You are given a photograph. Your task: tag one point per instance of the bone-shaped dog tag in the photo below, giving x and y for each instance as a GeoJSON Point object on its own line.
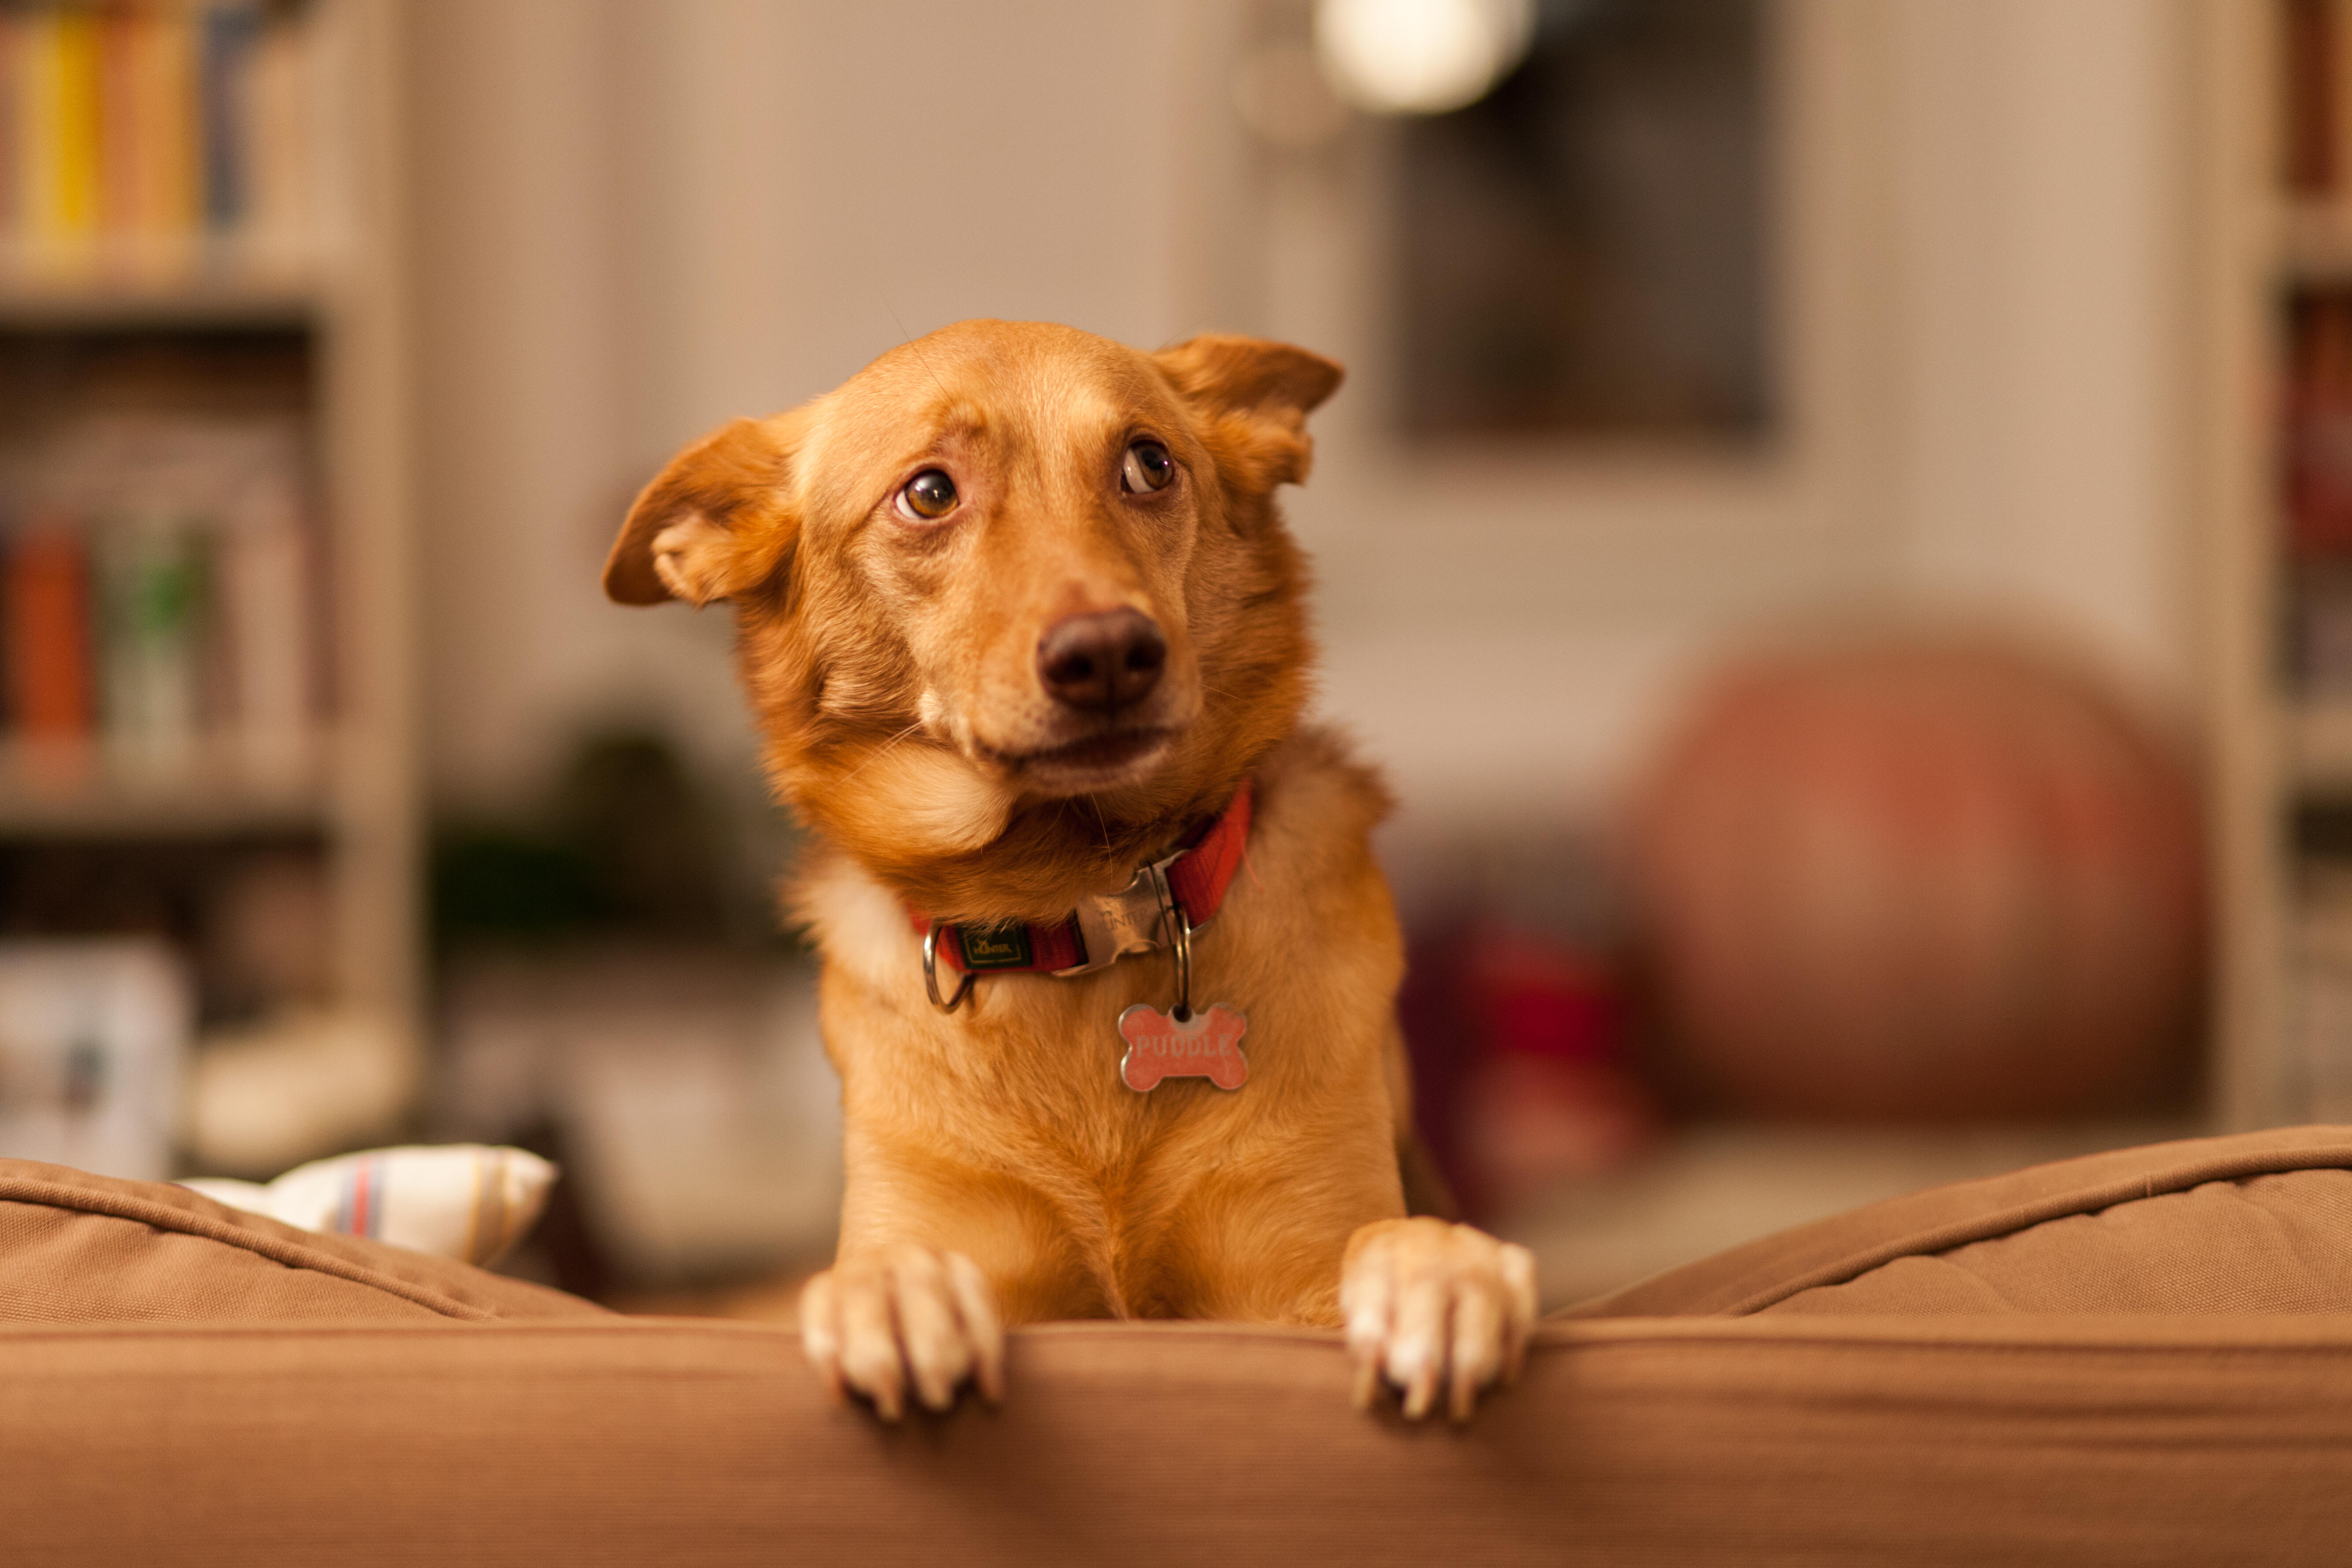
{"type": "Point", "coordinates": [1207, 1044]}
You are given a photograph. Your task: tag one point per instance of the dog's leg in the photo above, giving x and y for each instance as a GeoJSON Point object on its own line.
{"type": "Point", "coordinates": [1432, 1308]}
{"type": "Point", "coordinates": [1426, 1190]}
{"type": "Point", "coordinates": [907, 1315]}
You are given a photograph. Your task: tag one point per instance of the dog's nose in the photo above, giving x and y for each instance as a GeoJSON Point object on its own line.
{"type": "Point", "coordinates": [1104, 661]}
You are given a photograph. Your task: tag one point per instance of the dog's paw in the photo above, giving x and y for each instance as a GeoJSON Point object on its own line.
{"type": "Point", "coordinates": [904, 1318]}
{"type": "Point", "coordinates": [1436, 1308]}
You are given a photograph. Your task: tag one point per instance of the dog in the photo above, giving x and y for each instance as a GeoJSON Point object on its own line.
{"type": "Point", "coordinates": [1110, 969]}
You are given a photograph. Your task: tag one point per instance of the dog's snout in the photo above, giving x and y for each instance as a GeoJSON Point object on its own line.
{"type": "Point", "coordinates": [1103, 661]}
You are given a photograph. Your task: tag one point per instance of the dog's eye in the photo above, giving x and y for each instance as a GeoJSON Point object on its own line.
{"type": "Point", "coordinates": [929, 494]}
{"type": "Point", "coordinates": [1148, 467]}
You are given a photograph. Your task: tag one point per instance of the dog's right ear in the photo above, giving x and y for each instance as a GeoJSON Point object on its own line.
{"type": "Point", "coordinates": [714, 524]}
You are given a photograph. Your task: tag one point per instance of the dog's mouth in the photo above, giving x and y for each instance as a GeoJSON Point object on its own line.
{"type": "Point", "coordinates": [1092, 762]}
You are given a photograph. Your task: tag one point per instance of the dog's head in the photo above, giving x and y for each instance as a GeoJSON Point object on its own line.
{"type": "Point", "coordinates": [1011, 599]}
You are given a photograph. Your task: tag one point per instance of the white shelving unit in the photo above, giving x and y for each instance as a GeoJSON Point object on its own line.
{"type": "Point", "coordinates": [343, 293]}
{"type": "Point", "coordinates": [2272, 748]}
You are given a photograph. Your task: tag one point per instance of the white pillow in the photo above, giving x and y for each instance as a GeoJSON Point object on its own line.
{"type": "Point", "coordinates": [460, 1200]}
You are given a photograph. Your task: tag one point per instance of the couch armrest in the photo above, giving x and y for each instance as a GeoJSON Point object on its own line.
{"type": "Point", "coordinates": [2180, 1258]}
{"type": "Point", "coordinates": [1765, 1440]}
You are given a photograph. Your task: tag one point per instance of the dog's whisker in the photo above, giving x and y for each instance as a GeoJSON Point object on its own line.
{"type": "Point", "coordinates": [907, 340]}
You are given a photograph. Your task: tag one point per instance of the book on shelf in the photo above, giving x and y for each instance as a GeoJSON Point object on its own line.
{"type": "Point", "coordinates": [2315, 99]}
{"type": "Point", "coordinates": [161, 615]}
{"type": "Point", "coordinates": [2318, 437]}
{"type": "Point", "coordinates": [45, 642]}
{"type": "Point", "coordinates": [2315, 482]}
{"type": "Point", "coordinates": [153, 597]}
{"type": "Point", "coordinates": [145, 140]}
{"type": "Point", "coordinates": [2312, 137]}
{"type": "Point", "coordinates": [2319, 628]}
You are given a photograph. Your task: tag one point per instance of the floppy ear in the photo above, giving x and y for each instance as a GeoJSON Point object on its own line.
{"type": "Point", "coordinates": [713, 524]}
{"type": "Point", "coordinates": [1255, 396]}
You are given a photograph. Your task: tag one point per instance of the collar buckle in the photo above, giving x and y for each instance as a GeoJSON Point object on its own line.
{"type": "Point", "coordinates": [1133, 919]}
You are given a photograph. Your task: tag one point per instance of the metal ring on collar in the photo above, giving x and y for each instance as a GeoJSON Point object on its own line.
{"type": "Point", "coordinates": [1180, 937]}
{"type": "Point", "coordinates": [931, 974]}
{"type": "Point", "coordinates": [1184, 965]}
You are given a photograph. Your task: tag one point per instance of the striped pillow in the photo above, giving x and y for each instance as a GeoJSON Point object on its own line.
{"type": "Point", "coordinates": [464, 1201]}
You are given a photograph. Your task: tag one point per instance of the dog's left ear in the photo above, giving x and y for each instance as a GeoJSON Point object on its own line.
{"type": "Point", "coordinates": [1255, 396]}
{"type": "Point", "coordinates": [715, 524]}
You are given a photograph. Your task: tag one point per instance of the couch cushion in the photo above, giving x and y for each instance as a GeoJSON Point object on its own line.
{"type": "Point", "coordinates": [78, 1249]}
{"type": "Point", "coordinates": [2259, 1222]}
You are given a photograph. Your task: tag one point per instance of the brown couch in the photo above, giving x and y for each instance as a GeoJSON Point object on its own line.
{"type": "Point", "coordinates": [2138, 1357]}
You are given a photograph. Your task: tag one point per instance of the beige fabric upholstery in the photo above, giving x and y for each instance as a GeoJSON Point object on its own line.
{"type": "Point", "coordinates": [2017, 1441]}
{"type": "Point", "coordinates": [2190, 1227]}
{"type": "Point", "coordinates": [2120, 1374]}
{"type": "Point", "coordinates": [79, 1248]}
{"type": "Point", "coordinates": [2267, 1244]}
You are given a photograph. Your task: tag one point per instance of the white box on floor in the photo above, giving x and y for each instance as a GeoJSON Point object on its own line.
{"type": "Point", "coordinates": [92, 1035]}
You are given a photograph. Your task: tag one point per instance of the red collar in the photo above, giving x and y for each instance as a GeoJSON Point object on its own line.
{"type": "Point", "coordinates": [1102, 931]}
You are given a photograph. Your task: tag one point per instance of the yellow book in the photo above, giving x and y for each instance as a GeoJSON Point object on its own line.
{"type": "Point", "coordinates": [76, 99]}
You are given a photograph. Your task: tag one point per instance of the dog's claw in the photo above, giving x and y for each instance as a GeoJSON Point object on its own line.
{"type": "Point", "coordinates": [1435, 1308]}
{"type": "Point", "coordinates": [976, 1305]}
{"type": "Point", "coordinates": [820, 1333]}
{"type": "Point", "coordinates": [904, 1320]}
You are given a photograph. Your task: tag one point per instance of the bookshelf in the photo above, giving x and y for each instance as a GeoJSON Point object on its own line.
{"type": "Point", "coordinates": [200, 267]}
{"type": "Point", "coordinates": [2273, 271]}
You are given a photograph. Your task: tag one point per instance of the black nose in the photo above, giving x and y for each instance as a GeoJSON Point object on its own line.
{"type": "Point", "coordinates": [1103, 661]}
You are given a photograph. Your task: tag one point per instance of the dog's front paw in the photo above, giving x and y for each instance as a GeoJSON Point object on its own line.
{"type": "Point", "coordinates": [906, 1316]}
{"type": "Point", "coordinates": [1432, 1306]}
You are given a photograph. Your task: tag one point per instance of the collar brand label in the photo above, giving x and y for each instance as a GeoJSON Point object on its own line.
{"type": "Point", "coordinates": [995, 947]}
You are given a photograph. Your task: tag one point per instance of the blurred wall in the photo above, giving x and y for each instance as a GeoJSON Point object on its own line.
{"type": "Point", "coordinates": [1984, 330]}
{"type": "Point", "coordinates": [639, 218]}
{"type": "Point", "coordinates": [2043, 328]}
{"type": "Point", "coordinates": [636, 218]}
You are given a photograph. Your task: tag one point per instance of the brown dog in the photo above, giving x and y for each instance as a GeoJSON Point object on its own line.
{"type": "Point", "coordinates": [1020, 621]}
